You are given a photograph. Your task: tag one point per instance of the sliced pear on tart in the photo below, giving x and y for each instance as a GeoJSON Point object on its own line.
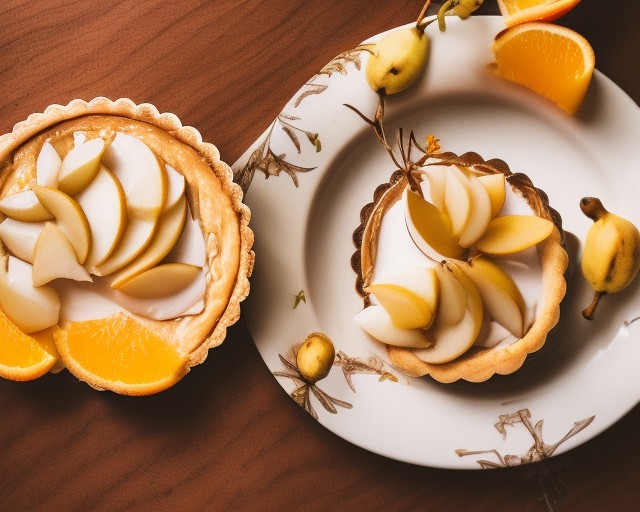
{"type": "Point", "coordinates": [500, 294]}
{"type": "Point", "coordinates": [160, 281]}
{"type": "Point", "coordinates": [80, 166]}
{"type": "Point", "coordinates": [495, 186]}
{"type": "Point", "coordinates": [30, 308]}
{"type": "Point", "coordinates": [468, 238]}
{"type": "Point", "coordinates": [509, 234]}
{"type": "Point", "coordinates": [142, 175]}
{"type": "Point", "coordinates": [409, 295]}
{"type": "Point", "coordinates": [378, 323]}
{"type": "Point", "coordinates": [55, 258]}
{"type": "Point", "coordinates": [167, 233]}
{"type": "Point", "coordinates": [451, 340]}
{"type": "Point", "coordinates": [20, 237]}
{"type": "Point", "coordinates": [48, 165]}
{"type": "Point", "coordinates": [69, 217]}
{"type": "Point", "coordinates": [104, 204]}
{"type": "Point", "coordinates": [430, 228]}
{"type": "Point", "coordinates": [24, 206]}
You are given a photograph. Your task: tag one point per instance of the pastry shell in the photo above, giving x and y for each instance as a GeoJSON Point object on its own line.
{"type": "Point", "coordinates": [213, 198]}
{"type": "Point", "coordinates": [477, 364]}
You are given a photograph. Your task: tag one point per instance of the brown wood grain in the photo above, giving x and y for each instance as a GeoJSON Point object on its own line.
{"type": "Point", "coordinates": [227, 437]}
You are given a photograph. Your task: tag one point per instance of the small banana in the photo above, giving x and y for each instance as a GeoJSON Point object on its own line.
{"type": "Point", "coordinates": [611, 256]}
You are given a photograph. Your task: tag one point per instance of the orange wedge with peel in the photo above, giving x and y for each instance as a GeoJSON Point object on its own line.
{"type": "Point", "coordinates": [120, 354]}
{"type": "Point", "coordinates": [25, 356]}
{"type": "Point", "coordinates": [555, 62]}
{"type": "Point", "coordinates": [516, 12]}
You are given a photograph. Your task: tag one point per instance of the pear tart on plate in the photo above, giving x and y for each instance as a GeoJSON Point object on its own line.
{"type": "Point", "coordinates": [461, 265]}
{"type": "Point", "coordinates": [130, 228]}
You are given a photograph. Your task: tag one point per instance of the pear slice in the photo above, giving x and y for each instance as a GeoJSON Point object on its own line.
{"type": "Point", "coordinates": [190, 247]}
{"type": "Point", "coordinates": [48, 166]}
{"type": "Point", "coordinates": [24, 206]}
{"type": "Point", "coordinates": [453, 297]}
{"type": "Point", "coordinates": [480, 214]}
{"type": "Point", "coordinates": [31, 309]}
{"type": "Point", "coordinates": [20, 237]}
{"type": "Point", "coordinates": [508, 234]}
{"type": "Point", "coordinates": [105, 207]}
{"type": "Point", "coordinates": [409, 295]}
{"type": "Point", "coordinates": [495, 185]}
{"type": "Point", "coordinates": [142, 175]}
{"type": "Point", "coordinates": [457, 200]}
{"type": "Point", "coordinates": [166, 235]}
{"type": "Point", "coordinates": [453, 340]}
{"type": "Point", "coordinates": [54, 257]}
{"type": "Point", "coordinates": [160, 281]}
{"type": "Point", "coordinates": [69, 217]}
{"type": "Point", "coordinates": [187, 301]}
{"type": "Point", "coordinates": [406, 309]}
{"type": "Point", "coordinates": [376, 322]}
{"type": "Point", "coordinates": [429, 228]}
{"type": "Point", "coordinates": [437, 177]}
{"type": "Point", "coordinates": [500, 294]}
{"type": "Point", "coordinates": [175, 186]}
{"type": "Point", "coordinates": [80, 166]}
{"type": "Point", "coordinates": [133, 242]}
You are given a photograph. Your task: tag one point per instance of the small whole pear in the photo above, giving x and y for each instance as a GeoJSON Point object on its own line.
{"type": "Point", "coordinates": [315, 357]}
{"type": "Point", "coordinates": [397, 60]}
{"type": "Point", "coordinates": [611, 254]}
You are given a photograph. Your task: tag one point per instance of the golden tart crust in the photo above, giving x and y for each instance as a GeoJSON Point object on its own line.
{"type": "Point", "coordinates": [213, 199]}
{"type": "Point", "coordinates": [477, 364]}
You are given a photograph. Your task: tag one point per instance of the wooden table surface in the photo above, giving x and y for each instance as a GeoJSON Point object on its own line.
{"type": "Point", "coordinates": [227, 437]}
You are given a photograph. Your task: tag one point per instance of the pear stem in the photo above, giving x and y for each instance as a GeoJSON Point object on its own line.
{"type": "Point", "coordinates": [592, 207]}
{"type": "Point", "coordinates": [420, 28]}
{"type": "Point", "coordinates": [591, 309]}
{"type": "Point", "coordinates": [441, 13]}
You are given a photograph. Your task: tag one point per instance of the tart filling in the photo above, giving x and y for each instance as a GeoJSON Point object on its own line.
{"type": "Point", "coordinates": [110, 209]}
{"type": "Point", "coordinates": [461, 271]}
{"type": "Point", "coordinates": [151, 263]}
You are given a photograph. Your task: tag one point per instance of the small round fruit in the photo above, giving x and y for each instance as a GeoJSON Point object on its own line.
{"type": "Point", "coordinates": [315, 357]}
{"type": "Point", "coordinates": [397, 61]}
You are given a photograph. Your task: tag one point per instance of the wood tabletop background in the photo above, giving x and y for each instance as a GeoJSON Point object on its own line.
{"type": "Point", "coordinates": [227, 437]}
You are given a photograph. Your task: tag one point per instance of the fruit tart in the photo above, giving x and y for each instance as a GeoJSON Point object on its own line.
{"type": "Point", "coordinates": [460, 263]}
{"type": "Point", "coordinates": [125, 249]}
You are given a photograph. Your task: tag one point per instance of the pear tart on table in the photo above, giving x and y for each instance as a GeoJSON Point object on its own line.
{"type": "Point", "coordinates": [121, 231]}
{"type": "Point", "coordinates": [461, 265]}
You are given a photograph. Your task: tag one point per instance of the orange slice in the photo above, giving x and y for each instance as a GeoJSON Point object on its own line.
{"type": "Point", "coordinates": [120, 354]}
{"type": "Point", "coordinates": [553, 61]}
{"type": "Point", "coordinates": [515, 12]}
{"type": "Point", "coordinates": [25, 356]}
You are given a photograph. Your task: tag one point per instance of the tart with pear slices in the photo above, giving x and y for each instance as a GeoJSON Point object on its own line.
{"type": "Point", "coordinates": [128, 220]}
{"type": "Point", "coordinates": [460, 263]}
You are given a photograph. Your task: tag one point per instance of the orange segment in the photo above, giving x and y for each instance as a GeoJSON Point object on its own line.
{"type": "Point", "coordinates": [515, 12]}
{"type": "Point", "coordinates": [553, 61]}
{"type": "Point", "coordinates": [25, 356]}
{"type": "Point", "coordinates": [120, 354]}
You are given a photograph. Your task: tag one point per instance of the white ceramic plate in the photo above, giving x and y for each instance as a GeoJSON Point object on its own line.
{"type": "Point", "coordinates": [323, 164]}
